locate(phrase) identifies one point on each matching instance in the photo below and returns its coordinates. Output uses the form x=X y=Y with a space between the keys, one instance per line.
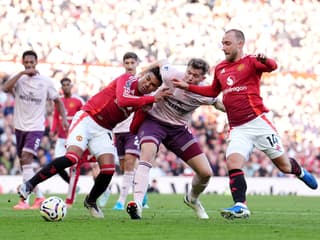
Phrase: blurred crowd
x=85 y=40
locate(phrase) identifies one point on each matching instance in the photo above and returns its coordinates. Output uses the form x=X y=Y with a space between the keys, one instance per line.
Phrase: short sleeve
x=168 y=72
x=52 y=91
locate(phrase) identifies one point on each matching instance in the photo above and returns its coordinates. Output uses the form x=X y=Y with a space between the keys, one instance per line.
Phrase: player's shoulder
x=169 y=71
x=78 y=98
x=43 y=77
x=221 y=65
x=165 y=67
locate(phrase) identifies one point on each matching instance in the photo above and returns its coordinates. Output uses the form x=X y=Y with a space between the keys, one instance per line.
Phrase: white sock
x=27 y=173
x=198 y=186
x=141 y=181
x=127 y=182
x=38 y=192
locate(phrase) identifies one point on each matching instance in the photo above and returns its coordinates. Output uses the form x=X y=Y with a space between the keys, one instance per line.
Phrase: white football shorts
x=60 y=148
x=85 y=133
x=259 y=133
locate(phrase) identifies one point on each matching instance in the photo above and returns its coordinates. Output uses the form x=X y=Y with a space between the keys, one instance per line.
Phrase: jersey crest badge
x=240 y=67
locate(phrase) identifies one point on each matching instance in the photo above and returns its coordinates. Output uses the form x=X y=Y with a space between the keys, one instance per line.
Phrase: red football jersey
x=116 y=101
x=240 y=84
x=72 y=105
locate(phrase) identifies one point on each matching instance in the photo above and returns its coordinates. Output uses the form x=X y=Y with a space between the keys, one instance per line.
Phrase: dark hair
x=130 y=55
x=65 y=79
x=238 y=33
x=198 y=63
x=156 y=72
x=30 y=53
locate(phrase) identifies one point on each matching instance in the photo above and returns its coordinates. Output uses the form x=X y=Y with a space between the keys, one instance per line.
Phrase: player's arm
x=62 y=111
x=126 y=99
x=55 y=121
x=207 y=91
x=265 y=64
x=159 y=64
x=219 y=105
x=8 y=86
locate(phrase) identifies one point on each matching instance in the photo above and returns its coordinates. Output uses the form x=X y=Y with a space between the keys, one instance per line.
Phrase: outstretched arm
x=125 y=98
x=265 y=64
x=159 y=64
x=208 y=91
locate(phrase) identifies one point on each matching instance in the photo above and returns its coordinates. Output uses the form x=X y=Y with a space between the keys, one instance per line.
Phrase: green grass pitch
x=273 y=218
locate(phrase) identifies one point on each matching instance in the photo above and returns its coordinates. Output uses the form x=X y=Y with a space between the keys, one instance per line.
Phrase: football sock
x=238 y=185
x=38 y=192
x=127 y=182
x=295 y=167
x=50 y=169
x=73 y=181
x=141 y=181
x=198 y=186
x=64 y=175
x=101 y=182
x=27 y=173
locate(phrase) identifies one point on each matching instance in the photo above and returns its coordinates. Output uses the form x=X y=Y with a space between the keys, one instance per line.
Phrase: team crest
x=240 y=67
x=79 y=138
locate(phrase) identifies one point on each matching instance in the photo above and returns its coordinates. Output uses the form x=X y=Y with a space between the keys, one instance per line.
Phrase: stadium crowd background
x=85 y=40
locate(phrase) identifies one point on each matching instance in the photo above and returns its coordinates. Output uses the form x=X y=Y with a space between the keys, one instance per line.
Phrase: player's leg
x=291 y=166
x=59 y=164
x=74 y=173
x=184 y=145
x=101 y=146
x=270 y=143
x=141 y=179
x=238 y=188
x=152 y=136
x=200 y=181
x=127 y=180
x=59 y=151
x=128 y=150
x=120 y=141
x=39 y=198
x=27 y=146
x=73 y=155
x=238 y=151
x=102 y=181
x=64 y=175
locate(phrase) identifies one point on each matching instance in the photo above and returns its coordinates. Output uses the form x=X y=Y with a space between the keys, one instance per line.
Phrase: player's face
x=66 y=87
x=231 y=47
x=148 y=83
x=130 y=65
x=193 y=76
x=29 y=61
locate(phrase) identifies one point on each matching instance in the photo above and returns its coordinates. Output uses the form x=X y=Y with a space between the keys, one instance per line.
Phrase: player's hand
x=147 y=107
x=65 y=125
x=30 y=72
x=180 y=84
x=163 y=92
x=261 y=58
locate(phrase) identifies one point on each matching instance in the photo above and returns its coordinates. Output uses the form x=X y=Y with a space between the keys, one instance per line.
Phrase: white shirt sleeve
x=168 y=72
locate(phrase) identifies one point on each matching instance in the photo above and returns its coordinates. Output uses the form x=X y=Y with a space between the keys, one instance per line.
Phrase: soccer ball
x=53 y=209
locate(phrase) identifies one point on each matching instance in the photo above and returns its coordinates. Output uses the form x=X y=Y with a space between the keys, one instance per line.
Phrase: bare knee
x=148 y=151
x=26 y=158
x=129 y=162
x=235 y=161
